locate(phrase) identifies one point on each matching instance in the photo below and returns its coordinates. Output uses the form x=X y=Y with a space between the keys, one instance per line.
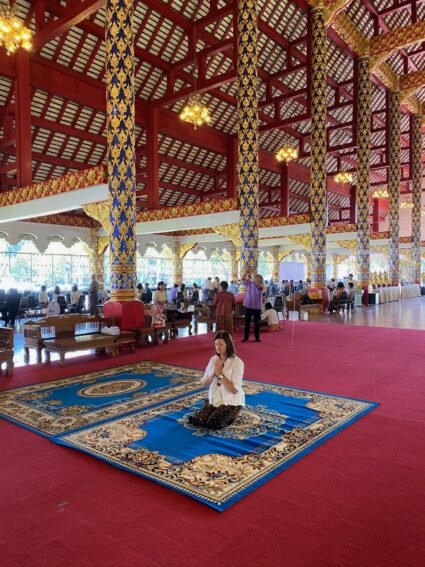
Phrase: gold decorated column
x=96 y=257
x=121 y=147
x=416 y=166
x=248 y=134
x=234 y=263
x=363 y=103
x=180 y=251
x=318 y=199
x=393 y=149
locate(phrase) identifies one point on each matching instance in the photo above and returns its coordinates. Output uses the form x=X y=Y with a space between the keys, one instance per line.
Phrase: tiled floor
x=408 y=314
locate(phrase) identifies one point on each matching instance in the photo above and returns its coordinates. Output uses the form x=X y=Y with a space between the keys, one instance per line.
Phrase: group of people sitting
x=341 y=294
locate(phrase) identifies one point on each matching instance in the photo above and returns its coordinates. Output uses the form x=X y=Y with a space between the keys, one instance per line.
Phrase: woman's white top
x=270 y=315
x=233 y=370
x=159 y=296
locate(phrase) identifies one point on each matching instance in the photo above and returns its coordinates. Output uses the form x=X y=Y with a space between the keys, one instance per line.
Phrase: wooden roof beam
x=72 y=15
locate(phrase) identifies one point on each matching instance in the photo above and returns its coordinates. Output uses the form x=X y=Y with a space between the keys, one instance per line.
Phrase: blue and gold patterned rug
x=56 y=407
x=278 y=426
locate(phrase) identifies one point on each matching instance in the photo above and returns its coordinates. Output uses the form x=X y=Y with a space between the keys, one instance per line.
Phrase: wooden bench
x=150 y=336
x=68 y=333
x=6 y=349
x=204 y=313
x=179 y=320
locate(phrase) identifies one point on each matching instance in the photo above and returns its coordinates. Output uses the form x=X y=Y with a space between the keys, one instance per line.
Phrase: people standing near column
x=160 y=295
x=93 y=294
x=252 y=303
x=224 y=302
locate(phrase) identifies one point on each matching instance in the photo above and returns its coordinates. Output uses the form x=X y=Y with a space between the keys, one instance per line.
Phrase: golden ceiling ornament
x=302 y=239
x=343 y=177
x=350 y=244
x=332 y=9
x=385 y=74
x=406 y=205
x=350 y=33
x=411 y=102
x=13 y=34
x=282 y=254
x=287 y=154
x=100 y=212
x=381 y=193
x=230 y=231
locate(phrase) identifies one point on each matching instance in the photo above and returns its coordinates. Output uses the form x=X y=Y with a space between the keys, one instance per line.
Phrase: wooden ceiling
x=65 y=93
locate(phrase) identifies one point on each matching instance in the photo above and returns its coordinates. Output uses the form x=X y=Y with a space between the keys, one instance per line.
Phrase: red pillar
x=284 y=190
x=23 y=119
x=152 y=160
x=353 y=205
x=375 y=215
x=231 y=173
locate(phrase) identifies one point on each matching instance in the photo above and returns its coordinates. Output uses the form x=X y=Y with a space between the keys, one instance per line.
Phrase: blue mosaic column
x=121 y=147
x=248 y=134
x=394 y=185
x=363 y=102
x=416 y=160
x=318 y=198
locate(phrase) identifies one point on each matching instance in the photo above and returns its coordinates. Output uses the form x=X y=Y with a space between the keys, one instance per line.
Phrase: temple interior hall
x=212 y=283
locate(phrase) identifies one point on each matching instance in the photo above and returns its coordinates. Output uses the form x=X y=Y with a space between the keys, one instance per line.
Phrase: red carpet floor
x=358 y=500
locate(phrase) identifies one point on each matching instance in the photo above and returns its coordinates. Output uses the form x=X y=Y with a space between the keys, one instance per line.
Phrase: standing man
x=224 y=301
x=93 y=294
x=252 y=304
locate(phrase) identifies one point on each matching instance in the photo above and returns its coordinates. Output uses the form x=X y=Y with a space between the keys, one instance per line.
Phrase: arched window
x=265 y=265
x=156 y=265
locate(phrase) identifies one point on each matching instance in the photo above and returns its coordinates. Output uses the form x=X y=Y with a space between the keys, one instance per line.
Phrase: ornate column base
x=127 y=314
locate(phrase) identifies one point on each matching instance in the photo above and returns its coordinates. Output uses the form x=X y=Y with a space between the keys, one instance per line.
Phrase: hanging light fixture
x=287 y=154
x=381 y=193
x=194 y=111
x=343 y=177
x=13 y=34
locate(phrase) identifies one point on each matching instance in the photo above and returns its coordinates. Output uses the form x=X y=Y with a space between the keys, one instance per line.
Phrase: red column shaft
x=375 y=215
x=152 y=160
x=231 y=173
x=353 y=205
x=284 y=190
x=23 y=119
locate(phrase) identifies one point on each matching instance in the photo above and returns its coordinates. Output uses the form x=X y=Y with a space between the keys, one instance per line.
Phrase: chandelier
x=195 y=112
x=343 y=177
x=13 y=34
x=381 y=194
x=287 y=154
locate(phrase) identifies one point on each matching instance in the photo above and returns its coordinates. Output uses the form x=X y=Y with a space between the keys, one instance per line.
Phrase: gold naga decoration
x=100 y=212
x=383 y=249
x=338 y=258
x=303 y=239
x=180 y=251
x=183 y=249
x=230 y=231
x=350 y=244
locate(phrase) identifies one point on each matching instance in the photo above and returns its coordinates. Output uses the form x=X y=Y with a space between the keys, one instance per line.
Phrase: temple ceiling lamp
x=13 y=34
x=194 y=111
x=287 y=154
x=343 y=177
x=381 y=193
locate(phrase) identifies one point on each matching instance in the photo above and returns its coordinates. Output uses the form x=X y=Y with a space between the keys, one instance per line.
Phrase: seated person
x=341 y=293
x=43 y=296
x=270 y=315
x=53 y=307
x=223 y=375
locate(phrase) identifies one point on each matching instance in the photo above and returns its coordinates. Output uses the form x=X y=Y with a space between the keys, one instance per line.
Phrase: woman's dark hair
x=160 y=284
x=268 y=305
x=74 y=287
x=139 y=286
x=340 y=285
x=224 y=285
x=227 y=338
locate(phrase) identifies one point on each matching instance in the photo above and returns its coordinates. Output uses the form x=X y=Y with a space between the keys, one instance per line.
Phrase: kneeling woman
x=223 y=375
